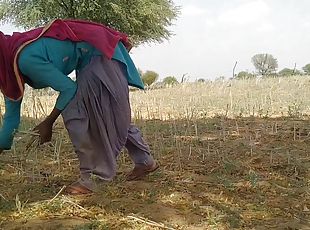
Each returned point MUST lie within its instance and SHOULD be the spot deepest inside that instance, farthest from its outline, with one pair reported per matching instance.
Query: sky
(211, 35)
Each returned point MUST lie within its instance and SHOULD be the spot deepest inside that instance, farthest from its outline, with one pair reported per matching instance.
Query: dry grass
(233, 155)
(265, 97)
(271, 97)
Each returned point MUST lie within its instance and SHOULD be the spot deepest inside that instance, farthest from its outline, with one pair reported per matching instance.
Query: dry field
(233, 155)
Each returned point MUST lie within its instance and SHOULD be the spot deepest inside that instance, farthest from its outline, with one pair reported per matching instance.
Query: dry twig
(66, 199)
(63, 187)
(149, 222)
(3, 197)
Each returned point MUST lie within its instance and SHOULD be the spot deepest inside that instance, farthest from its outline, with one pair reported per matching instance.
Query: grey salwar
(98, 121)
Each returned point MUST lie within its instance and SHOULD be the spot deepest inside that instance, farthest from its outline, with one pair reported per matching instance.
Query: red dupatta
(103, 38)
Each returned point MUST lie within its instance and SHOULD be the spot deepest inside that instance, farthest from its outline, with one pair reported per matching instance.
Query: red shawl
(11, 81)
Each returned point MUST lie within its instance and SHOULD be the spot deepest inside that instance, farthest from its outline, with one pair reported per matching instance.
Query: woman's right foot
(141, 170)
(77, 189)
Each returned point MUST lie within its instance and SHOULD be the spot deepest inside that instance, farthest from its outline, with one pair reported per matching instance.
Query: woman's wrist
(53, 116)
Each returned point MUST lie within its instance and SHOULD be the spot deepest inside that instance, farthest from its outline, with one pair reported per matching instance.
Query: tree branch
(234, 69)
(72, 14)
(62, 4)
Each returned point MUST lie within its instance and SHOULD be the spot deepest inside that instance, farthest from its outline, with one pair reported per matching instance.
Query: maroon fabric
(103, 38)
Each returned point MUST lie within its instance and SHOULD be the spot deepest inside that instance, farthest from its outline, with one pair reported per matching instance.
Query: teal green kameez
(47, 62)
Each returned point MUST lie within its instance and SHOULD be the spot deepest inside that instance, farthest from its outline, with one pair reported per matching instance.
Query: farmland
(232, 154)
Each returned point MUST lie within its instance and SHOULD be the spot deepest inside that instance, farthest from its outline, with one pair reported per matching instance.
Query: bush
(149, 77)
(170, 80)
(244, 75)
(201, 80)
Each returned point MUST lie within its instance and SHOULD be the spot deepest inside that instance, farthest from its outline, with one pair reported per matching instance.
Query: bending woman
(95, 108)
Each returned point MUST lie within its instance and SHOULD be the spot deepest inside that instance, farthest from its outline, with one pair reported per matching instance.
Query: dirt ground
(215, 173)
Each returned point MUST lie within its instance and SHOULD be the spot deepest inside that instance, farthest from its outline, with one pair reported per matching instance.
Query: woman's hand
(45, 129)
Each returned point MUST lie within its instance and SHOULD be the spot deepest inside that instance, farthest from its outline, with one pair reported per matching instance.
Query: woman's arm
(46, 74)
(44, 62)
(11, 122)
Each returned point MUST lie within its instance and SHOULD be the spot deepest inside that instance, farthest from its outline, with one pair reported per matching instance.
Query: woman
(95, 108)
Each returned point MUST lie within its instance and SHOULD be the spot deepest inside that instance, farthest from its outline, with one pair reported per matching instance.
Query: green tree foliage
(170, 80)
(244, 75)
(289, 72)
(149, 77)
(265, 64)
(142, 20)
(306, 69)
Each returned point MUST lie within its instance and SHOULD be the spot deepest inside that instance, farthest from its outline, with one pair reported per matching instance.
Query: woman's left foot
(77, 189)
(141, 170)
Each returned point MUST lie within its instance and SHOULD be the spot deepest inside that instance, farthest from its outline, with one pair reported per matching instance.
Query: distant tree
(157, 85)
(244, 75)
(184, 78)
(149, 77)
(306, 69)
(298, 72)
(221, 78)
(170, 80)
(201, 80)
(265, 64)
(289, 72)
(286, 72)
